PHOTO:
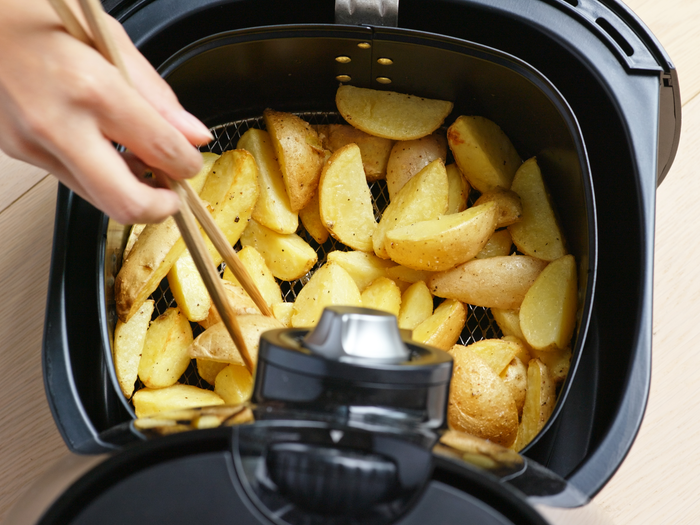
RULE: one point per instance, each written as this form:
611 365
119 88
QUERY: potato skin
408 157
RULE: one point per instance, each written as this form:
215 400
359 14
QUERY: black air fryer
581 84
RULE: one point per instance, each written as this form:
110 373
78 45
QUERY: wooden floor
658 482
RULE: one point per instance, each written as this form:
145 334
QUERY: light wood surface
657 483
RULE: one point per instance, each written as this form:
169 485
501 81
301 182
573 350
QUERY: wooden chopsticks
190 202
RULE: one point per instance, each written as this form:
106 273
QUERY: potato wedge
514 376
345 202
548 311
459 189
508 320
329 285
363 267
299 153
310 216
524 353
164 358
443 328
240 302
423 197
382 294
497 353
510 209
234 384
134 233
480 403
188 289
408 275
150 401
557 361
216 344
272 208
416 305
538 233
261 275
408 157
500 243
208 369
375 150
129 339
483 153
442 243
288 257
283 313
496 282
539 402
391 115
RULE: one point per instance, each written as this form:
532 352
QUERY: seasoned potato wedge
150 401
188 289
261 275
240 302
480 403
538 233
442 243
363 267
557 361
459 189
208 369
288 256
299 153
382 294
524 353
234 384
164 357
548 311
408 157
496 282
510 209
375 150
416 305
515 378
442 329
497 353
483 153
310 216
423 197
508 320
539 402
408 275
499 243
391 115
216 344
129 339
329 285
283 313
272 208
345 202
134 233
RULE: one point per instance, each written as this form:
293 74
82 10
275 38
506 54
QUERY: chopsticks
191 204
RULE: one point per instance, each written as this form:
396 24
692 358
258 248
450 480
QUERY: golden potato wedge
134 233
496 282
310 216
459 189
480 403
329 285
524 353
375 150
423 197
216 344
283 313
510 209
408 275
234 384
272 208
288 257
299 153
557 361
514 376
261 275
408 157
538 233
129 339
240 302
508 320
363 267
497 353
548 311
539 402
443 328
442 243
483 152
150 401
382 294
391 115
345 202
188 289
416 305
208 369
499 243
164 358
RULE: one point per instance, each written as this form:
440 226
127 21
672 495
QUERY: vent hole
616 36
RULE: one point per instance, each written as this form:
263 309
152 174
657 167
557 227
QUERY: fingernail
196 125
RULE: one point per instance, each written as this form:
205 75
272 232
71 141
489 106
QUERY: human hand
62 105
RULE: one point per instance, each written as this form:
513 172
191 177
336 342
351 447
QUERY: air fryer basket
624 115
